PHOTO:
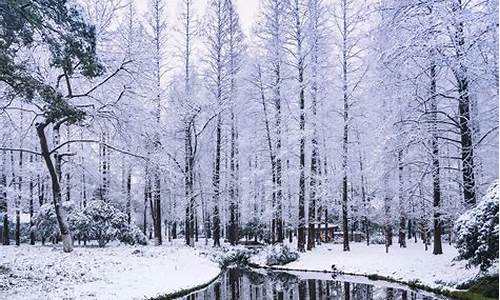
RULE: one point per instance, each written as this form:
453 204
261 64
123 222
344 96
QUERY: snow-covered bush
377 239
80 225
280 255
102 222
477 231
46 223
132 235
235 256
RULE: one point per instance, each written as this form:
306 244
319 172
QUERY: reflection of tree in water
389 294
282 280
246 284
234 282
362 291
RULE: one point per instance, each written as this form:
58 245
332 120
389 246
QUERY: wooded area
377 118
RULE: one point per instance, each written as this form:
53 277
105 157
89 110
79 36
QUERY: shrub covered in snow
280 255
132 235
98 221
46 223
235 256
101 221
477 231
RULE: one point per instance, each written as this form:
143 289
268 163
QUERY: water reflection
245 284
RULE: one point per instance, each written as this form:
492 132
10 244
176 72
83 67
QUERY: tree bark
56 189
216 185
3 202
437 245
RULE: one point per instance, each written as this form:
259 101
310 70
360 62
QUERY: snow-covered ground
114 272
404 264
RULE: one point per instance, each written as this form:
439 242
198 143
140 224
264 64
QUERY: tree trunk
129 194
437 249
345 140
146 193
31 208
3 202
56 189
301 239
466 133
402 217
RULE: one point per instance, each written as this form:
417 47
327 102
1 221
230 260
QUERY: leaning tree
45 46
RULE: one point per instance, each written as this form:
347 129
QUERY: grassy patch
485 288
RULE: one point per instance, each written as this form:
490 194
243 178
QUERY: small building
326 230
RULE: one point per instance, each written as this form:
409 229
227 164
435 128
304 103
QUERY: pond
243 284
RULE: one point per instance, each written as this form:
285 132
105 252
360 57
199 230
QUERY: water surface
249 284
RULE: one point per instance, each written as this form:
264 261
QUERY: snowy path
412 263
114 272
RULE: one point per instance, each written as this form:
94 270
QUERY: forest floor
411 264
113 272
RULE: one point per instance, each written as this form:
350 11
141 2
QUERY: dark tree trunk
301 239
3 204
402 217
345 140
216 185
312 192
31 208
189 184
19 192
129 195
438 249
466 133
146 198
233 186
157 208
302 125
56 189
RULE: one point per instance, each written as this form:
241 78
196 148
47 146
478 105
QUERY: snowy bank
114 272
403 264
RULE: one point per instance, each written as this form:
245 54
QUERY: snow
114 272
404 264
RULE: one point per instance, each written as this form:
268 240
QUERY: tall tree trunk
466 133
278 212
31 206
402 213
146 193
216 185
67 174
3 202
56 189
233 205
345 141
438 249
129 194
364 200
298 39
301 240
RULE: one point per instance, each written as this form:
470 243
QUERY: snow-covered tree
477 231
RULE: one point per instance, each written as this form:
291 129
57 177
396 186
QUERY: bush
132 235
100 221
236 256
477 231
45 222
280 255
377 239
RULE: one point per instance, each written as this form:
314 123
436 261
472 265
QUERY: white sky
246 8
